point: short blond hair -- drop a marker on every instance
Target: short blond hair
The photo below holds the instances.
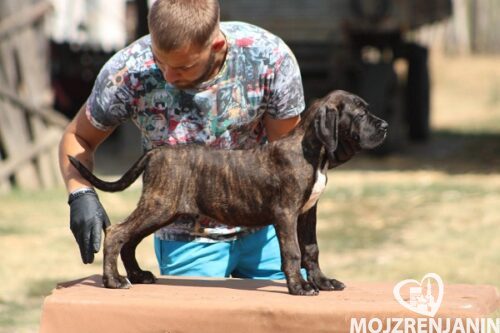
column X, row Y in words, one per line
column 174, row 23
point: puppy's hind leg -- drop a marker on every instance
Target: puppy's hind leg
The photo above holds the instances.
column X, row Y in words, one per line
column 144, row 220
column 134, row 273
column 114, row 240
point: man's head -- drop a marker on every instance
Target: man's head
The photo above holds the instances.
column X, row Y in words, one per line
column 186, row 41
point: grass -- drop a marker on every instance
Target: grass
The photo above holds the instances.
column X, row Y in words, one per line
column 431, row 208
column 37, row 250
column 395, row 225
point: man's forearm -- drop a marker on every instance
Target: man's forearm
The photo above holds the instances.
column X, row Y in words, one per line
column 71, row 145
column 278, row 128
column 80, row 139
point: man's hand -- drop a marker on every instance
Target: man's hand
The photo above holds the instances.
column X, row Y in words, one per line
column 87, row 221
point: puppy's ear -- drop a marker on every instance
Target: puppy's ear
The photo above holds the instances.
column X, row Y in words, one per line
column 326, row 127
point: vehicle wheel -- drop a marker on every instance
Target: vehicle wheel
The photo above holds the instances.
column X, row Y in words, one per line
column 378, row 85
column 418, row 93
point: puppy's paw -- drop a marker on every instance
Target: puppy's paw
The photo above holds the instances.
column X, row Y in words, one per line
column 332, row 284
column 303, row 288
column 120, row 282
column 141, row 277
column 325, row 283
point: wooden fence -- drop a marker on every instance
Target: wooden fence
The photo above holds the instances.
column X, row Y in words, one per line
column 473, row 29
column 29, row 128
column 485, row 26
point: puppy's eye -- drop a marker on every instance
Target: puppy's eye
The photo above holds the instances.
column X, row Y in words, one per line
column 358, row 103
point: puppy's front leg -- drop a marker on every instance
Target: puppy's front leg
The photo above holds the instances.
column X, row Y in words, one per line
column 290, row 258
column 306, row 231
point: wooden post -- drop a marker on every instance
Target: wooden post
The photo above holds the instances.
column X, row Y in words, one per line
column 486, row 26
column 24, row 57
column 460, row 27
column 13, row 128
column 34, row 74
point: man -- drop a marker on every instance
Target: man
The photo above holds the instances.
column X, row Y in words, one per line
column 194, row 79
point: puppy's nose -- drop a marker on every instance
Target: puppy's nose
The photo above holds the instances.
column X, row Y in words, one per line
column 383, row 125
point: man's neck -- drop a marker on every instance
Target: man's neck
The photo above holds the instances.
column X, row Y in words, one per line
column 220, row 57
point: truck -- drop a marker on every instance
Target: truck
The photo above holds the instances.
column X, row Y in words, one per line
column 363, row 46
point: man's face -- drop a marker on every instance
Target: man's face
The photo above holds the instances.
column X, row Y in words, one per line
column 186, row 66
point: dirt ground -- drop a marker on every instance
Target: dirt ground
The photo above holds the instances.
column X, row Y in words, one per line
column 432, row 207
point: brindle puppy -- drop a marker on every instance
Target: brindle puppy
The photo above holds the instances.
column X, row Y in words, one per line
column 278, row 183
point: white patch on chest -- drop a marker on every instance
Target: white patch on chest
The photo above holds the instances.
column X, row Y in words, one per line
column 318, row 188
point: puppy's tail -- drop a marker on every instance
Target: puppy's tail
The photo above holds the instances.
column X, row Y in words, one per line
column 125, row 181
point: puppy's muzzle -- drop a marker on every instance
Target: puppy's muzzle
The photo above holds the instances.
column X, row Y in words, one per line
column 380, row 134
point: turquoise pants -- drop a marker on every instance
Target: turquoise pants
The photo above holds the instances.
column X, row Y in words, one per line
column 254, row 256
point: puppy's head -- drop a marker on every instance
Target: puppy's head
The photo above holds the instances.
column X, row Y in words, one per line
column 356, row 123
column 342, row 120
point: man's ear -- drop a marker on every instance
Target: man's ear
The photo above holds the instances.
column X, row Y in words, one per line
column 218, row 44
column 326, row 127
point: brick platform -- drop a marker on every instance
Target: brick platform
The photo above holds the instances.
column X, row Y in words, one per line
column 218, row 305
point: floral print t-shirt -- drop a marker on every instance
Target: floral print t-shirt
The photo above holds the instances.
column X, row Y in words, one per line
column 260, row 75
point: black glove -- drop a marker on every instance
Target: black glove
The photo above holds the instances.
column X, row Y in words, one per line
column 87, row 220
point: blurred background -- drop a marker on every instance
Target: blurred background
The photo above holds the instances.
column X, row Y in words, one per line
column 426, row 201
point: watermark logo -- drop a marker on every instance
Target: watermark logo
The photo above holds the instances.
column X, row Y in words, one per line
column 424, row 298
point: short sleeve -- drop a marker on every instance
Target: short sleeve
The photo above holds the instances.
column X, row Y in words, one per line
column 110, row 102
column 287, row 94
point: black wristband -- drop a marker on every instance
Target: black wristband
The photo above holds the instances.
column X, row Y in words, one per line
column 79, row 193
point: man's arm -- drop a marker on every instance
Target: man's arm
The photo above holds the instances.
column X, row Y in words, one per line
column 287, row 95
column 278, row 128
column 80, row 139
column 87, row 216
